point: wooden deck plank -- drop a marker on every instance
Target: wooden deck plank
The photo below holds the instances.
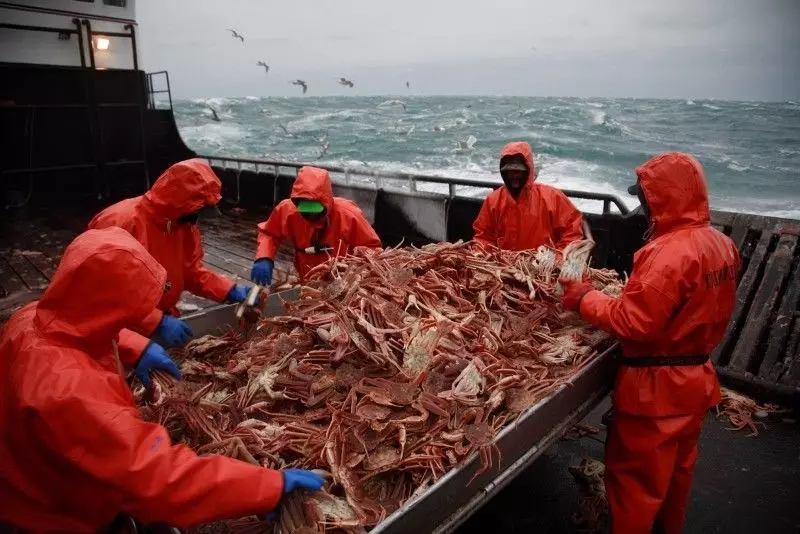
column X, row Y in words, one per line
column 792, row 357
column 10, row 281
column 738, row 235
column 744, row 293
column 231, row 247
column 774, row 364
column 28, row 273
column 45, row 264
column 746, row 355
column 228, row 266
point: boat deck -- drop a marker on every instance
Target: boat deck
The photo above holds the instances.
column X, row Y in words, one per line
column 31, row 248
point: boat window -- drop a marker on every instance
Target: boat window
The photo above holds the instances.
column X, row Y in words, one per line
column 118, row 3
column 87, row 1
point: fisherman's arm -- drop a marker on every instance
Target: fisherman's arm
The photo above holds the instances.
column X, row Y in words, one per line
column 271, row 233
column 484, row 225
column 646, row 305
column 568, row 221
column 158, row 482
column 362, row 234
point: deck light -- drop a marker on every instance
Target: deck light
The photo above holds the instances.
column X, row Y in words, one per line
column 101, row 43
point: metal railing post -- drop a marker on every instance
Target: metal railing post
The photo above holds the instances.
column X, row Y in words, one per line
column 79, row 31
column 277, row 173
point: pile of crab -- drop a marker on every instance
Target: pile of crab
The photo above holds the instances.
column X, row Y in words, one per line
column 391, row 368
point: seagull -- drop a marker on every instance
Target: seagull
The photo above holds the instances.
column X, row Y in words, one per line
column 466, row 145
column 300, row 83
column 393, row 103
column 285, row 130
column 408, row 85
column 324, row 145
column 262, row 64
column 236, row 35
column 214, row 115
column 345, row 82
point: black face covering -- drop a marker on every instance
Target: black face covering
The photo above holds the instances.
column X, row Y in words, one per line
column 516, row 159
column 189, row 218
column 637, row 190
column 643, row 202
column 313, row 217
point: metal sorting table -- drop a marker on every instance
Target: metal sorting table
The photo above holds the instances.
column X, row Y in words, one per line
column 452, row 499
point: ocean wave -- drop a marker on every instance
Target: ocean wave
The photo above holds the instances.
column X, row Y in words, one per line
column 712, row 107
column 689, row 102
column 606, row 121
column 215, row 135
column 738, row 167
column 577, row 145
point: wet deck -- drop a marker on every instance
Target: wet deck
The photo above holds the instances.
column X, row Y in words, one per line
column 31, row 248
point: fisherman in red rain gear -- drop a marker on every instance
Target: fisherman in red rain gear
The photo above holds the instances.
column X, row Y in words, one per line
column 522, row 214
column 672, row 313
column 75, row 451
column 164, row 220
column 317, row 224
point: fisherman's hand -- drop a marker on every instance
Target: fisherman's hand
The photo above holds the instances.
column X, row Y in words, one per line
column 262, row 271
column 155, row 357
column 173, row 331
column 238, row 293
column 574, row 291
column 294, row 478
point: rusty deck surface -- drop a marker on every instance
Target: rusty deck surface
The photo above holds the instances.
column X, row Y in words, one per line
column 31, row 248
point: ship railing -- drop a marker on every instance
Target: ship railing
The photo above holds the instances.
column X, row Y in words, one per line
column 387, row 180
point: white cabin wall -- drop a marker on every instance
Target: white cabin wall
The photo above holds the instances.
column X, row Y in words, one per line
column 25, row 46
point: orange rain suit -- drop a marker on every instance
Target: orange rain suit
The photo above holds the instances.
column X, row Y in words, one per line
column 677, row 302
column 75, row 451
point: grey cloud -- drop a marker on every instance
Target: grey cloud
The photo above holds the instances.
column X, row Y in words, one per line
column 720, row 48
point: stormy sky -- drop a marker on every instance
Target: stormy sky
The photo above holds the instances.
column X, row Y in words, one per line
column 727, row 49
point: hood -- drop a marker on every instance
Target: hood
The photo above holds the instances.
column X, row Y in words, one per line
column 523, row 149
column 106, row 281
column 314, row 183
column 182, row 189
column 674, row 186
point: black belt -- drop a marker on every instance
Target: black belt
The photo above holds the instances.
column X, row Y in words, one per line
column 663, row 361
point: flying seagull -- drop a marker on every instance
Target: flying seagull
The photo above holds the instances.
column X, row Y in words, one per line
column 214, row 115
column 393, row 103
column 285, row 130
column 466, row 145
column 236, row 35
column 345, row 82
column 408, row 85
column 300, row 83
column 262, row 64
column 324, row 145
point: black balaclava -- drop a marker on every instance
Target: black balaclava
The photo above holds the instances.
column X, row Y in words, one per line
column 514, row 160
column 637, row 190
column 205, row 211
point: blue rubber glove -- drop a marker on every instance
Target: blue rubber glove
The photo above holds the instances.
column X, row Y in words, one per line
column 262, row 271
column 154, row 357
column 173, row 331
column 237, row 293
column 294, row 478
